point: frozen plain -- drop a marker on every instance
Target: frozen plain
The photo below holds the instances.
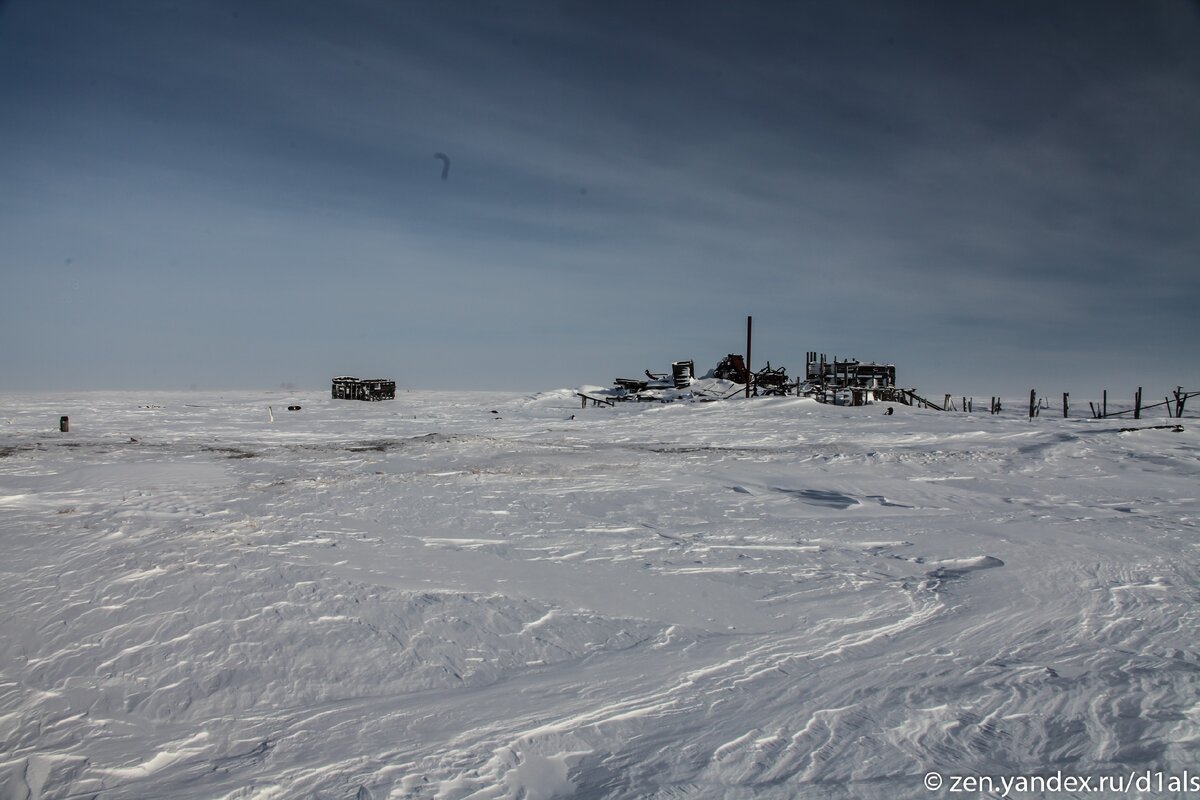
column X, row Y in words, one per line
column 473, row 595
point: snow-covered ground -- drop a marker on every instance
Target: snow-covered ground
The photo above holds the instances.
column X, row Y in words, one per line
column 478, row 596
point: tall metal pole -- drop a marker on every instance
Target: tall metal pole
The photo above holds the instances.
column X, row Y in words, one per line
column 749, row 338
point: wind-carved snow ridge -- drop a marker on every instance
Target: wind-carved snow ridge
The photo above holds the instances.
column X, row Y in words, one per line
column 426, row 599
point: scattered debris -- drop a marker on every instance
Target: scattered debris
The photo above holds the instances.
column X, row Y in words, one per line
column 848, row 382
column 680, row 383
column 1175, row 428
column 732, row 368
column 632, row 385
column 293, row 408
column 839, row 382
column 771, row 382
column 596, row 401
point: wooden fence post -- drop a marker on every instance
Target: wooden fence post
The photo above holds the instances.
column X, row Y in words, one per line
column 1137, row 404
column 1066, row 395
column 749, row 338
column 1032, row 402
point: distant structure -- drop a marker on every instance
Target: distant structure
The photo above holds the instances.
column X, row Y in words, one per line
column 851, row 382
column 348, row 387
column 844, row 383
column 849, row 374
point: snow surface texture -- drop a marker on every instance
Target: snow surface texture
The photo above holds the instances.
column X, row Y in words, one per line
column 479, row 596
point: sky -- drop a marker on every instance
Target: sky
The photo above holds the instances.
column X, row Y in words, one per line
column 994, row 196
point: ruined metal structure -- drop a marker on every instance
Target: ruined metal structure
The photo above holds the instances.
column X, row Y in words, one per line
column 848, row 374
column 347, row 387
column 682, row 373
column 770, row 382
column 851, row 382
column 732, row 368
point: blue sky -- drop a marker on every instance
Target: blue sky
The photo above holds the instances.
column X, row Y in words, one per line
column 993, row 196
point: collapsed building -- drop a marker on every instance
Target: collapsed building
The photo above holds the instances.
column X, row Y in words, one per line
column 347, row 387
column 730, row 377
column 847, row 382
column 850, row 382
column 848, row 374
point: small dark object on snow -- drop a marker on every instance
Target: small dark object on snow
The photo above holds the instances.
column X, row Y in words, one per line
column 293, row 408
column 494, row 411
column 64, row 425
column 889, row 411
